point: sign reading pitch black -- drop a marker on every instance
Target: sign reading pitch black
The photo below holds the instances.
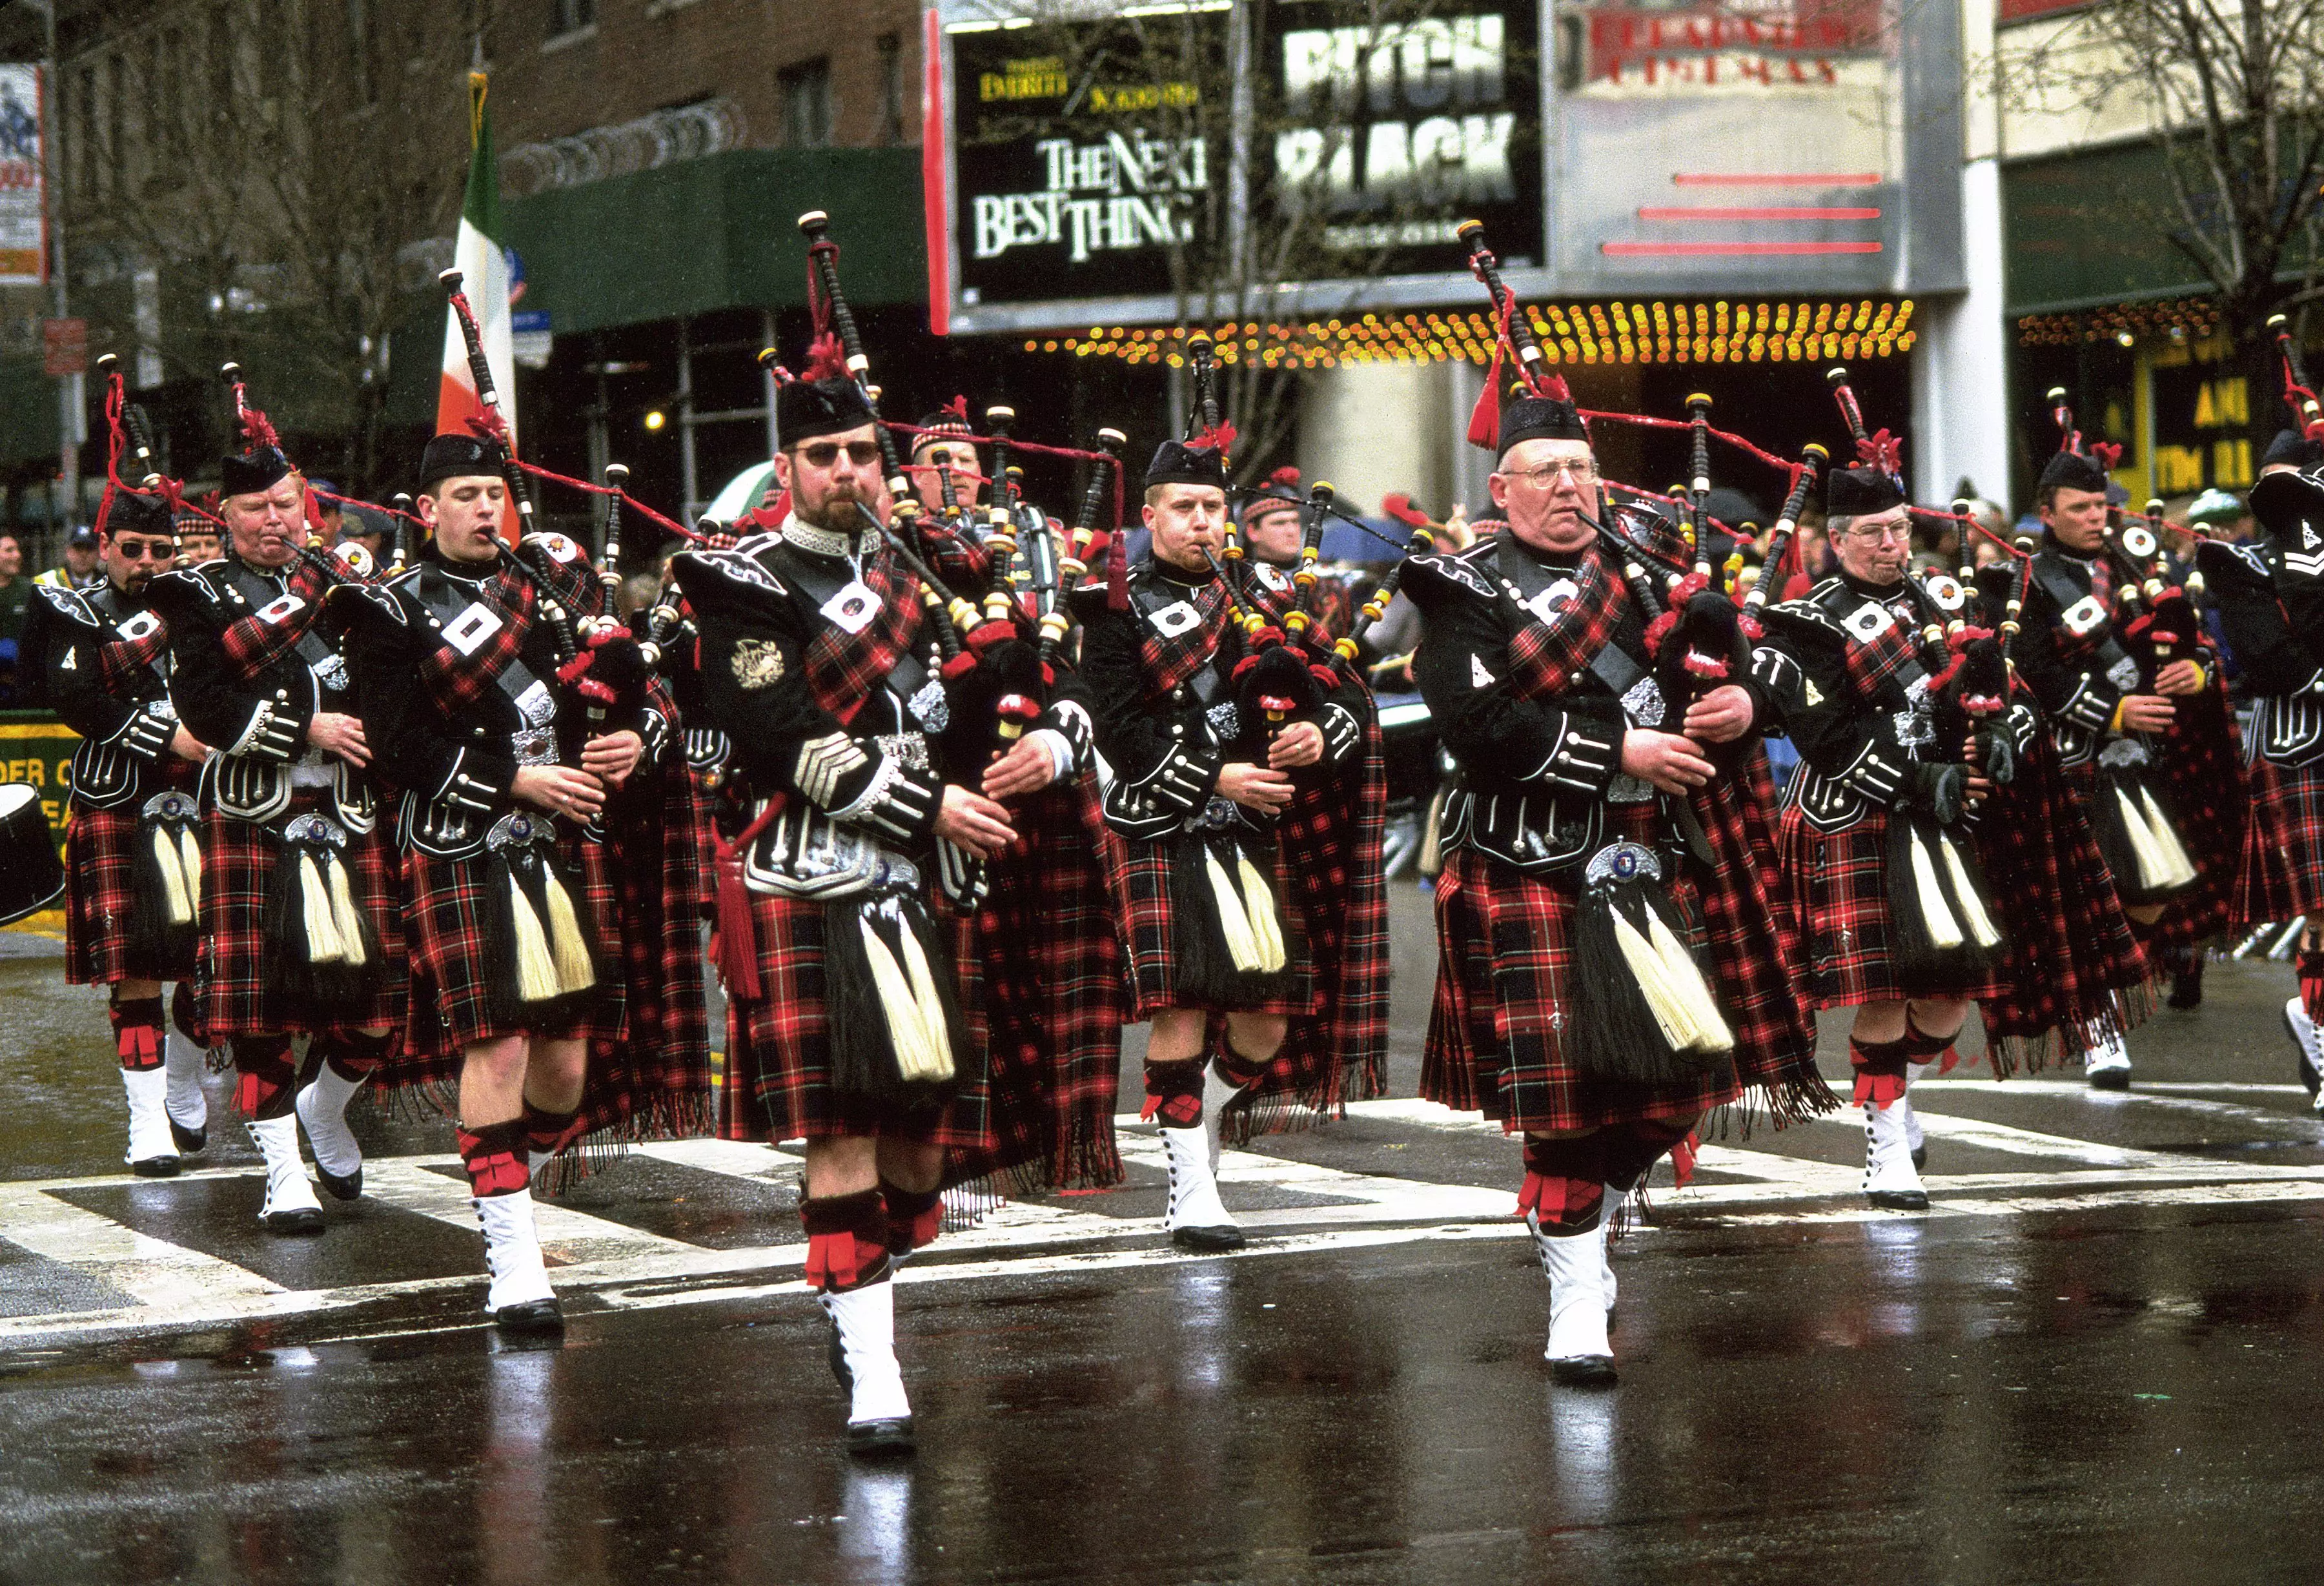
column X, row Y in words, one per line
column 1086, row 153
column 1392, row 126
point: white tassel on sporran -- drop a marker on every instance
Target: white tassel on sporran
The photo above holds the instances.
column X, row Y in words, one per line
column 568, row 949
column 173, row 877
column 2153, row 865
column 536, row 968
column 189, row 856
column 2166, row 840
column 1266, row 927
column 931, row 1004
column 344, row 916
column 1981, row 928
column 1662, row 999
column 323, row 943
column 1234, row 920
column 906, row 1031
column 1711, row 1034
column 1944, row 930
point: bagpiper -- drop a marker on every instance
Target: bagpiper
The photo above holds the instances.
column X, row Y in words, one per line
column 299, row 895
column 1056, row 1000
column 1271, row 531
column 2116, row 714
column 852, row 996
column 1898, row 711
column 1573, row 1004
column 462, row 668
column 132, row 849
column 1243, row 818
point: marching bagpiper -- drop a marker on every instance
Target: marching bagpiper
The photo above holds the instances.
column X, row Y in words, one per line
column 1271, row 531
column 852, row 1004
column 133, row 850
column 297, row 909
column 461, row 673
column 2112, row 716
column 1244, row 816
column 1899, row 739
column 1055, row 997
column 1571, row 1005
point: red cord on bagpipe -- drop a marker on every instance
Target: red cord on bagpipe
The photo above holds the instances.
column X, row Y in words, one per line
column 1102, row 458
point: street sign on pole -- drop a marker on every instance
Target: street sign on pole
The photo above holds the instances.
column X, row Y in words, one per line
column 64, row 347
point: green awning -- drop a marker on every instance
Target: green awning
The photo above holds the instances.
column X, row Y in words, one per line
column 719, row 233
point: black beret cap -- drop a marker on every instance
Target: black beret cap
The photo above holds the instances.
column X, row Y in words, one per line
column 1176, row 463
column 460, row 456
column 247, row 473
column 137, row 511
column 2292, row 446
column 806, row 409
column 1534, row 418
column 1858, row 493
column 2073, row 471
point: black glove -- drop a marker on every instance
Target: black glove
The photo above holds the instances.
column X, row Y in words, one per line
column 1938, row 788
column 2000, row 752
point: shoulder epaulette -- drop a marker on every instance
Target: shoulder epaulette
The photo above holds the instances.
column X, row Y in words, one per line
column 68, row 602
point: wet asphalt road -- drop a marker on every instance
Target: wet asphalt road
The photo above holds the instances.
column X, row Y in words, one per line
column 2092, row 1361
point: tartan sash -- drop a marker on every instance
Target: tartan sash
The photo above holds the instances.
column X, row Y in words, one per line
column 1547, row 657
column 456, row 680
column 844, row 670
column 255, row 642
column 1169, row 659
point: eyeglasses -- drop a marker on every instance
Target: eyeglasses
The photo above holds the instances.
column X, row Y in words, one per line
column 1883, row 534
column 1580, row 469
column 139, row 550
column 823, row 454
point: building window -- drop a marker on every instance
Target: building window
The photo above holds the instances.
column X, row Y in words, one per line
column 804, row 91
column 570, row 16
column 891, row 88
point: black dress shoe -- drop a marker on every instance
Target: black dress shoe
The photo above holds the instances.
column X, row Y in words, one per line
column 1899, row 1200
column 1584, row 1371
column 532, row 1317
column 2187, row 988
column 298, row 1219
column 2110, row 1079
column 1920, row 1157
column 881, row 1439
column 189, row 1139
column 155, row 1167
column 1208, row 1241
column 340, row 1189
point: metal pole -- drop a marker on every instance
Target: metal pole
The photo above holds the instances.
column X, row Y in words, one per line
column 767, row 378
column 69, row 395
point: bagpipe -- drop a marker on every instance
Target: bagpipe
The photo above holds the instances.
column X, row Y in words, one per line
column 348, row 566
column 599, row 661
column 2298, row 392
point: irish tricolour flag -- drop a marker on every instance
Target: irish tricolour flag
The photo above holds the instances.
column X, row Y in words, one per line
column 484, row 272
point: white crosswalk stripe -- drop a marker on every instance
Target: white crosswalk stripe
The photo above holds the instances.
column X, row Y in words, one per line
column 1806, row 1175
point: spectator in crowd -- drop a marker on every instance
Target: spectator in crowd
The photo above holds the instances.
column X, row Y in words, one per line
column 15, row 590
column 82, row 569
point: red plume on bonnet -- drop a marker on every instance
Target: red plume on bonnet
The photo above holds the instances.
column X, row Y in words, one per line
column 1287, row 476
column 257, row 429
column 826, row 359
column 1883, row 451
column 1219, row 437
column 1399, row 507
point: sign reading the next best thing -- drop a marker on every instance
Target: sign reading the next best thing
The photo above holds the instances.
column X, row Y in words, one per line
column 1084, row 154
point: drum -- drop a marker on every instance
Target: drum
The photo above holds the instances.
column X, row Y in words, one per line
column 31, row 876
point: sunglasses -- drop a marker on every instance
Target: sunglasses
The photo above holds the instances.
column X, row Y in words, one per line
column 138, row 551
column 823, row 454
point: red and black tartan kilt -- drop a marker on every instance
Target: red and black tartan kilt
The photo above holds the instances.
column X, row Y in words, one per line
column 1495, row 1034
column 101, row 900
column 778, row 1053
column 1055, row 999
column 449, row 915
column 2281, row 874
column 230, row 985
column 1838, row 886
column 1139, row 876
column 2199, row 773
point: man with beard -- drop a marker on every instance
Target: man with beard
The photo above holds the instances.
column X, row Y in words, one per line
column 852, row 1003
column 132, row 857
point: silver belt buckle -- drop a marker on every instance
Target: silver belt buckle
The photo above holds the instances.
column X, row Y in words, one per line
column 534, row 746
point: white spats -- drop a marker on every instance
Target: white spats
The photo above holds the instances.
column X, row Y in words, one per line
column 1890, row 1179
column 1614, row 1200
column 866, row 1322
column 291, row 1206
column 1579, row 1350
column 1914, row 1072
column 2108, row 1064
column 2302, row 1031
column 152, row 1153
column 322, row 1109
column 1197, row 1219
column 188, row 1109
column 520, row 1288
